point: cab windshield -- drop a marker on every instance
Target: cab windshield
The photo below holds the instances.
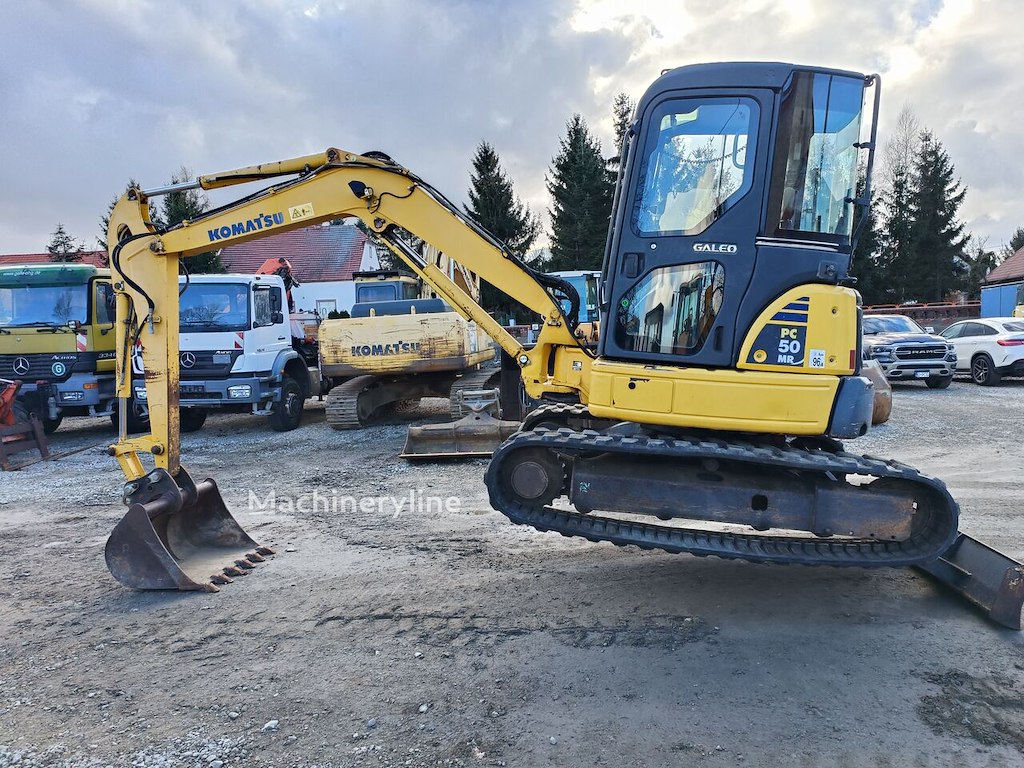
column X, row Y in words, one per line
column 695, row 164
column 51, row 305
column 215, row 307
column 814, row 173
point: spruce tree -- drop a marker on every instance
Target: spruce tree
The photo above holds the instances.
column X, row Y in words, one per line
column 938, row 265
column 1015, row 244
column 494, row 205
column 581, row 197
column 62, row 246
column 622, row 114
column 187, row 205
column 866, row 262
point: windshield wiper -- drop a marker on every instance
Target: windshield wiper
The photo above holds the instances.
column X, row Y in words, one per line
column 50, row 326
column 206, row 323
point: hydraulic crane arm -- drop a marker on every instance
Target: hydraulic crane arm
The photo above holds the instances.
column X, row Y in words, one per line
column 335, row 184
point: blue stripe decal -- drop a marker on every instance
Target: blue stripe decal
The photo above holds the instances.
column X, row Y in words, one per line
column 790, row 317
column 799, row 306
column 804, row 298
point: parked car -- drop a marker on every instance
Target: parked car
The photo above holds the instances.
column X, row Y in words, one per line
column 989, row 348
column 906, row 352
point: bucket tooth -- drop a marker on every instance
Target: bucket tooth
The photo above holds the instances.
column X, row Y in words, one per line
column 231, row 570
column 254, row 557
column 175, row 534
column 220, row 578
column 265, row 551
column 245, row 565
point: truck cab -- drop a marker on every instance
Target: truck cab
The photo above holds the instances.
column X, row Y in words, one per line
column 236, row 352
column 57, row 338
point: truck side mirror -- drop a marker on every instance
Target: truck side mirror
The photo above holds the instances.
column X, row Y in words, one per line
column 276, row 318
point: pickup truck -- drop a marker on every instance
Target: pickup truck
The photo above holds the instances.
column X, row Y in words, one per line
column 907, row 352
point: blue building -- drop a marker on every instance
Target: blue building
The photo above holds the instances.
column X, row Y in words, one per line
column 1003, row 288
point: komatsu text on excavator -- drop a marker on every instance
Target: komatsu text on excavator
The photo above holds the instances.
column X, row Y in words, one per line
column 708, row 418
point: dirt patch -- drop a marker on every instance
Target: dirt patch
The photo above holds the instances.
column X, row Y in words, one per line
column 989, row 710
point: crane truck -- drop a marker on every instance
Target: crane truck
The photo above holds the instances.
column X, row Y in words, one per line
column 709, row 418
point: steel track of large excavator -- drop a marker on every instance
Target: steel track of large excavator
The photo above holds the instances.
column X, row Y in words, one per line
column 364, row 400
column 484, row 378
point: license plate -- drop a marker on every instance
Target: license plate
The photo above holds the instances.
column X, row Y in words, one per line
column 920, row 374
column 192, row 389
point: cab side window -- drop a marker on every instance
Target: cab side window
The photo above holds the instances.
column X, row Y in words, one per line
column 106, row 310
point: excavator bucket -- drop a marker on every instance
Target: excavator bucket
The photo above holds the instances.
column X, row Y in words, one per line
column 178, row 535
column 476, row 435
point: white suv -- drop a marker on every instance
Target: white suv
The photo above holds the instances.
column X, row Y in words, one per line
column 989, row 348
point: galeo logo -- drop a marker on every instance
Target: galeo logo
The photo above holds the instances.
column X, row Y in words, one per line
column 59, row 369
column 368, row 350
column 187, row 360
column 21, row 365
column 715, row 247
column 255, row 224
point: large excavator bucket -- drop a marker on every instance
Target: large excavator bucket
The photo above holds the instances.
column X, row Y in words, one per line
column 178, row 535
column 476, row 435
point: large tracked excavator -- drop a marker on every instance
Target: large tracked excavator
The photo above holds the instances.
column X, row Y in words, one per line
column 709, row 417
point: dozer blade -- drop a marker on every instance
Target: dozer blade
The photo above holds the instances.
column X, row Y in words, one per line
column 991, row 580
column 177, row 535
column 477, row 435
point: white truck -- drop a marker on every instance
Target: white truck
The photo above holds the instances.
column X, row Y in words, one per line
column 237, row 353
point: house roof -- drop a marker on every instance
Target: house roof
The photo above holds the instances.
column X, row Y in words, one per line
column 95, row 258
column 317, row 254
column 1009, row 271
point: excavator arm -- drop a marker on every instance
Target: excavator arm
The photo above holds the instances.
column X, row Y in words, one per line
column 335, row 184
column 179, row 534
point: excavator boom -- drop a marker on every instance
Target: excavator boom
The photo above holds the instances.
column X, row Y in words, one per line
column 708, row 419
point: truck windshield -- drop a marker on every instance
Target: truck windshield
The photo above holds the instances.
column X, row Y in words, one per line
column 873, row 325
column 52, row 305
column 215, row 307
column 814, row 173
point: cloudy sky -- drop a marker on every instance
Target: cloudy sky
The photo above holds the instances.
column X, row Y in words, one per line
column 94, row 92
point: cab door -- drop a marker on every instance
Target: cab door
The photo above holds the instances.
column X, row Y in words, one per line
column 687, row 220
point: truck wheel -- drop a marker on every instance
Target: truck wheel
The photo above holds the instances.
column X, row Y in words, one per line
column 136, row 421
column 50, row 425
column 983, row 371
column 191, row 419
column 286, row 413
column 941, row 382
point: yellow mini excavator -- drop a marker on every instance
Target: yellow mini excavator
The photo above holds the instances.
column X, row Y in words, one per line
column 708, row 418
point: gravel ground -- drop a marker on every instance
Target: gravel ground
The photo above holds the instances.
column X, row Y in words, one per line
column 441, row 634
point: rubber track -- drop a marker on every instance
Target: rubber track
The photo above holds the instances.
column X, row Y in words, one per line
column 341, row 406
column 934, row 533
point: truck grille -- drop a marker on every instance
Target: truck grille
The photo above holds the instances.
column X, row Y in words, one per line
column 48, row 366
column 921, row 352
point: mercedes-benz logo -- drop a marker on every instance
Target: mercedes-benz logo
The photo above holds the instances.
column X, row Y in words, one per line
column 187, row 359
column 21, row 365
